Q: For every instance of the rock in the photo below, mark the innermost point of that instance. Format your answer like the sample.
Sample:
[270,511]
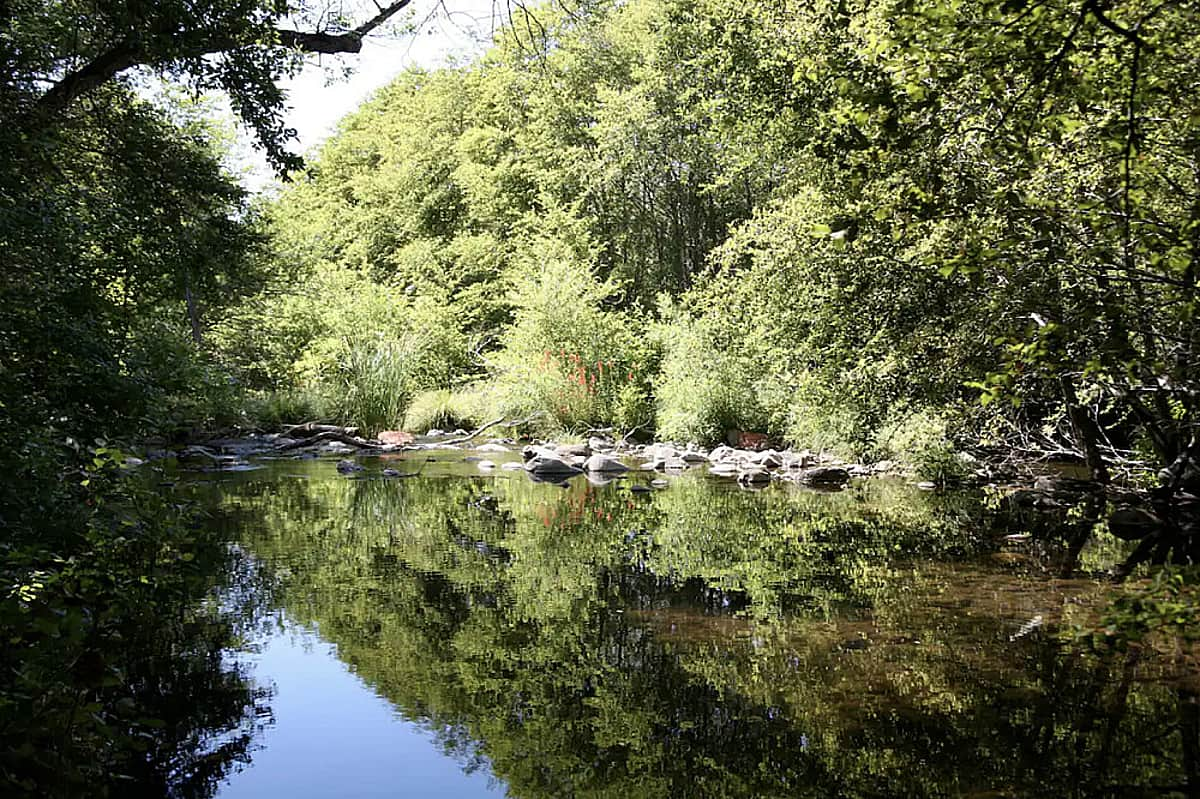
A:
[573,450]
[492,448]
[882,467]
[925,485]
[604,463]
[435,433]
[390,473]
[547,465]
[485,466]
[768,459]
[532,451]
[799,460]
[512,466]
[597,444]
[721,453]
[397,437]
[673,465]
[825,476]
[638,488]
[724,470]
[1132,524]
[694,456]
[349,467]
[659,483]
[858,470]
[755,475]
[661,452]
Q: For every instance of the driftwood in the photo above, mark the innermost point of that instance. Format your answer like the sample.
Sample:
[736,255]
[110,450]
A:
[330,435]
[489,426]
[310,429]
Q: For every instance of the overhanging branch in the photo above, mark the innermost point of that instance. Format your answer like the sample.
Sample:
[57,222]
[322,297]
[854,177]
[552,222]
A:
[124,55]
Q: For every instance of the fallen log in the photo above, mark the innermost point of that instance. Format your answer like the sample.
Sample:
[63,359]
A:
[330,435]
[489,426]
[310,429]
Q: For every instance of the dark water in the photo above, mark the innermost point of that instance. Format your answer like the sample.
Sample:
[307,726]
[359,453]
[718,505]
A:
[461,634]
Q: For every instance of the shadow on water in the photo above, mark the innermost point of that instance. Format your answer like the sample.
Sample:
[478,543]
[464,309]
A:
[701,641]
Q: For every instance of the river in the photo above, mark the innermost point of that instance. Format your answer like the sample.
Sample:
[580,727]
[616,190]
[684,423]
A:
[465,634]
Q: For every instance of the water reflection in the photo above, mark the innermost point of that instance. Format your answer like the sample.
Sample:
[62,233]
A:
[700,641]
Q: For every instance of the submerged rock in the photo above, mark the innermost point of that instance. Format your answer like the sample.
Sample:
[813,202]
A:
[349,467]
[825,476]
[755,475]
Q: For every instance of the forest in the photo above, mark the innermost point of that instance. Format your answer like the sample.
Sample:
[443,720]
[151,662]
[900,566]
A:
[924,233]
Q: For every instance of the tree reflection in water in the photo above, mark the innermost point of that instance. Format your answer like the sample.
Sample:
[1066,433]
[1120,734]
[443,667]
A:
[707,642]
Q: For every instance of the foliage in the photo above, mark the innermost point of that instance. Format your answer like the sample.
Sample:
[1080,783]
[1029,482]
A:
[564,354]
[103,634]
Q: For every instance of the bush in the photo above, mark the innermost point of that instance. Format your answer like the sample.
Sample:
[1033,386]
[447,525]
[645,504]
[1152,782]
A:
[702,391]
[444,409]
[565,356]
[921,439]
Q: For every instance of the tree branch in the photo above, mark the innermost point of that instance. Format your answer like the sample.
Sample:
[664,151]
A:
[124,55]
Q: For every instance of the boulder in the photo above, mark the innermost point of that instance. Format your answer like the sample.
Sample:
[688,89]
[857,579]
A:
[825,476]
[548,465]
[597,444]
[485,466]
[604,463]
[721,453]
[661,452]
[573,450]
[492,448]
[673,465]
[768,459]
[694,456]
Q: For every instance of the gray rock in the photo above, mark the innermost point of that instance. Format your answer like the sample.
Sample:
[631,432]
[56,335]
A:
[754,475]
[485,466]
[659,483]
[492,448]
[724,469]
[604,463]
[573,450]
[694,456]
[547,465]
[349,467]
[597,444]
[390,473]
[768,459]
[673,465]
[512,466]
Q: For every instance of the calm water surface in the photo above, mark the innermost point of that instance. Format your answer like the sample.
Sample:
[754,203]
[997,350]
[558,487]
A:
[461,634]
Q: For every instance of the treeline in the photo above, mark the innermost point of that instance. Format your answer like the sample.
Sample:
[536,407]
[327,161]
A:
[842,224]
